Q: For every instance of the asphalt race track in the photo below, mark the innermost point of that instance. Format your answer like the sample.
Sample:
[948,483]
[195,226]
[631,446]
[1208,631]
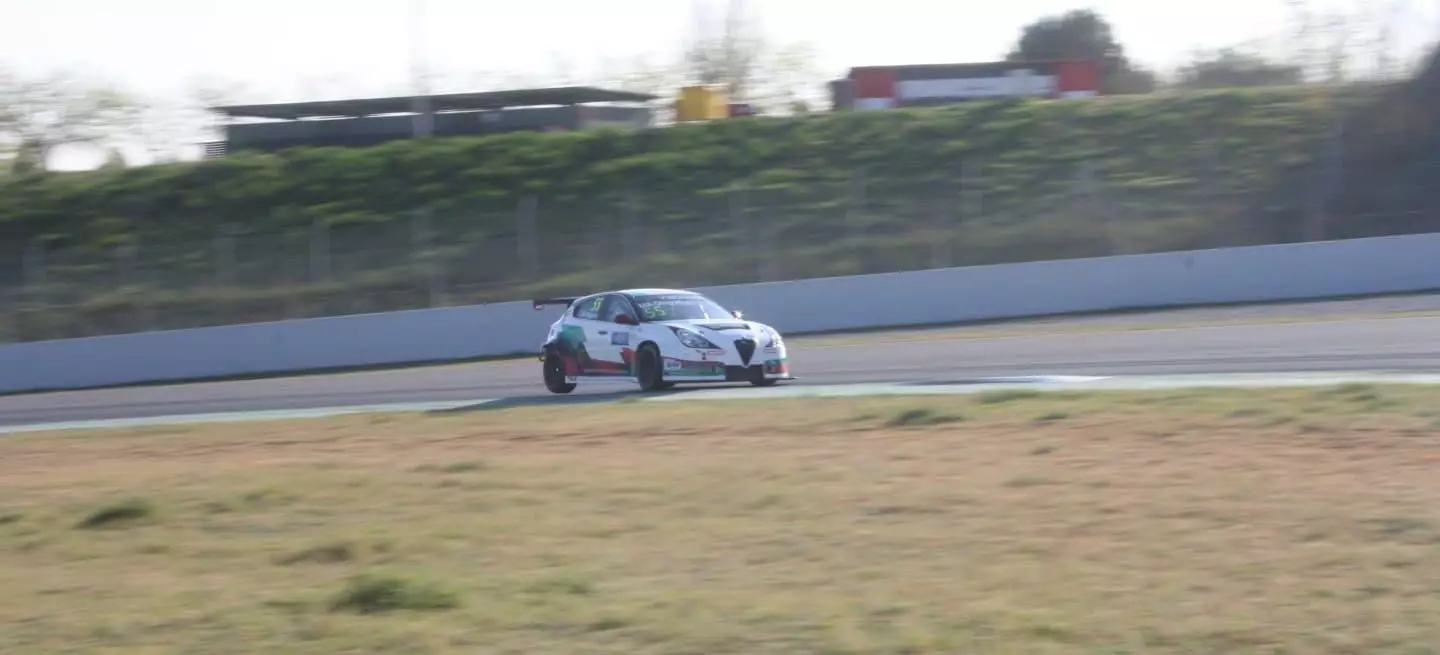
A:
[1371,344]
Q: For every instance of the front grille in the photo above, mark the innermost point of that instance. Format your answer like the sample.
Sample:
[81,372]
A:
[744,373]
[746,348]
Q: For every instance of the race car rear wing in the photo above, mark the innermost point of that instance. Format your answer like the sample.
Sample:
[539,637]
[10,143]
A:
[541,303]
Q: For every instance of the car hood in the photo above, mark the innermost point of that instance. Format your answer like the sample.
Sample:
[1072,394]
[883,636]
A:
[723,327]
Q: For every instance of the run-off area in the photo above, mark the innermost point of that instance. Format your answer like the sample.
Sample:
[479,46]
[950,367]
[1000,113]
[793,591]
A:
[1179,520]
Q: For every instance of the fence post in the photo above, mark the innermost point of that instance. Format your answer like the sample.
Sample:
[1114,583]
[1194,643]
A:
[768,236]
[1088,193]
[127,278]
[433,269]
[10,314]
[33,269]
[1332,177]
[1210,164]
[633,243]
[601,233]
[857,218]
[940,228]
[742,236]
[972,194]
[224,253]
[34,275]
[319,251]
[527,232]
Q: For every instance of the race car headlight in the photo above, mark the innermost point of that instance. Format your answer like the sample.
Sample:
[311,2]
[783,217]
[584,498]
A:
[692,340]
[773,340]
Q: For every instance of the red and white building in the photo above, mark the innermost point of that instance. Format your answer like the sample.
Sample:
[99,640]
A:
[920,85]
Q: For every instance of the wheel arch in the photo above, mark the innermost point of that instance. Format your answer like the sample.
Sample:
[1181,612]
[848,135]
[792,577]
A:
[634,363]
[653,344]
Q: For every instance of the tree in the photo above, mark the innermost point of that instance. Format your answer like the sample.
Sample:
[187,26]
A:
[26,159]
[732,51]
[203,95]
[1083,34]
[726,51]
[1231,68]
[788,81]
[114,160]
[39,115]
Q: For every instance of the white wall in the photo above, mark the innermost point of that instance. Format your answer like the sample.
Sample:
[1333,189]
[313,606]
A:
[1278,272]
[1256,273]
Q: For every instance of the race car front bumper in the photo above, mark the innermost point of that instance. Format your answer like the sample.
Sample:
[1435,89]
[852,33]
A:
[719,365]
[753,372]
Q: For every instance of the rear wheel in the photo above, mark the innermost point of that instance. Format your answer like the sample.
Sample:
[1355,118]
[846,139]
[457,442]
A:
[555,375]
[649,371]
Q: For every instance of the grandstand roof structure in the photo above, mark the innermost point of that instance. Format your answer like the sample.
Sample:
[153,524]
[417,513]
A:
[569,95]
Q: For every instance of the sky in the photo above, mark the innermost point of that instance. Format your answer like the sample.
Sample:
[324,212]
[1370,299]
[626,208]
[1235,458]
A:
[300,49]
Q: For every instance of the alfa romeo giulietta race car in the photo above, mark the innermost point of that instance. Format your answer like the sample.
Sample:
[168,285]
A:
[657,338]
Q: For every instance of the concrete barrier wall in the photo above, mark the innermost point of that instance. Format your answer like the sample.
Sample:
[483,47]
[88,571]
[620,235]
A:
[1256,273]
[1277,272]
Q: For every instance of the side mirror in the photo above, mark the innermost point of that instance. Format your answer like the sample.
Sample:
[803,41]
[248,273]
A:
[737,313]
[625,319]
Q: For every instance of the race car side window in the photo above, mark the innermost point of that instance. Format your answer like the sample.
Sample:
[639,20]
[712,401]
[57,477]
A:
[615,305]
[589,309]
[609,309]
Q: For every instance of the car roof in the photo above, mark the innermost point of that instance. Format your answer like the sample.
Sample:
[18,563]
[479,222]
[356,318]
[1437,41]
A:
[637,293]
[655,292]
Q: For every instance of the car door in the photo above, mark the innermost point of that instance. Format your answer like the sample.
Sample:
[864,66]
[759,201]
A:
[582,334]
[611,340]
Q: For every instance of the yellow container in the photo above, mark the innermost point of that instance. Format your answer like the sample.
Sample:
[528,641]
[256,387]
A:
[701,103]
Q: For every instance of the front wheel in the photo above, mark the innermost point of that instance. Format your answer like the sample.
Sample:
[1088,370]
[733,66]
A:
[555,375]
[649,371]
[757,378]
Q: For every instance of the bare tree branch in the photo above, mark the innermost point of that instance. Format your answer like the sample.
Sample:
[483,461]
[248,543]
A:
[726,51]
[42,114]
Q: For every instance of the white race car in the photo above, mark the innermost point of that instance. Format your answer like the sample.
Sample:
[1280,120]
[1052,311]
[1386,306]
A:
[657,338]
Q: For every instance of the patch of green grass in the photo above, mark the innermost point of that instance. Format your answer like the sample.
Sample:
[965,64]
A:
[123,513]
[1001,396]
[465,466]
[370,593]
[1411,530]
[1023,481]
[333,553]
[920,417]
[1354,392]
[565,585]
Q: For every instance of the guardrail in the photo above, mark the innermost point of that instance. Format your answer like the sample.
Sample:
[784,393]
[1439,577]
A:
[950,295]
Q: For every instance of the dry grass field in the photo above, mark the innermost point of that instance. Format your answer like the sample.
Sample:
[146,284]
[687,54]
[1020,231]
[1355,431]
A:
[1284,521]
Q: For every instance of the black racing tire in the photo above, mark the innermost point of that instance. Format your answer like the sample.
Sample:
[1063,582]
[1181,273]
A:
[757,378]
[649,369]
[554,373]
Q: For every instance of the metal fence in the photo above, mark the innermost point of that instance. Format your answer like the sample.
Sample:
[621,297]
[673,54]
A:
[975,213]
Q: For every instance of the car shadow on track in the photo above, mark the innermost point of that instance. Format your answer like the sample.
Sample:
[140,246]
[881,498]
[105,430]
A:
[558,401]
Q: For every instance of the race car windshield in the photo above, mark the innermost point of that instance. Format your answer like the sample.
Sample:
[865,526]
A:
[679,307]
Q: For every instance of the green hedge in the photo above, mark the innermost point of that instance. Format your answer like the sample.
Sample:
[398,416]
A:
[821,195]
